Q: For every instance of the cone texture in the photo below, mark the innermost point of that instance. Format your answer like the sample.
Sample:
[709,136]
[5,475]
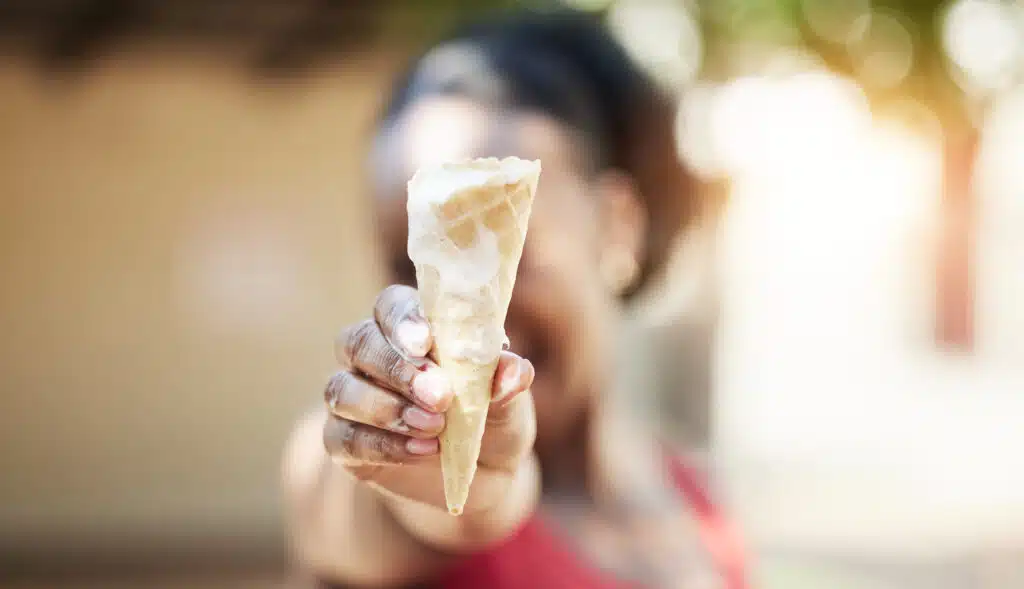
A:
[467,225]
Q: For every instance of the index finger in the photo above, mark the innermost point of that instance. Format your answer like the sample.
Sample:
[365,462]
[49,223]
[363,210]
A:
[397,311]
[363,348]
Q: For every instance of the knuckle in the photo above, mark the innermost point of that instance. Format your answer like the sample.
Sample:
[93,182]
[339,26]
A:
[395,448]
[362,336]
[353,341]
[333,389]
[350,443]
[374,445]
[396,368]
[386,363]
[395,303]
[386,447]
[359,446]
[380,446]
[385,412]
[339,389]
[337,436]
[390,295]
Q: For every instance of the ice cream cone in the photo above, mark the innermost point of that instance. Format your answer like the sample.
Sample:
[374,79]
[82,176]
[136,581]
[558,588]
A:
[467,225]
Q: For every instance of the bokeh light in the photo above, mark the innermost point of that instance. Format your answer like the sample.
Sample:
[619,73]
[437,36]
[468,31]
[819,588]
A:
[1000,188]
[766,127]
[662,36]
[814,275]
[985,41]
[693,132]
[883,53]
[838,22]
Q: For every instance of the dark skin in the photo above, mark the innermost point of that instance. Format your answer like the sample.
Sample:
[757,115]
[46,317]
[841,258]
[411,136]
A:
[559,438]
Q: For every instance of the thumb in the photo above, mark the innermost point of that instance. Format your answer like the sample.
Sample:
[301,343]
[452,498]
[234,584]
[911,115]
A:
[511,421]
[513,376]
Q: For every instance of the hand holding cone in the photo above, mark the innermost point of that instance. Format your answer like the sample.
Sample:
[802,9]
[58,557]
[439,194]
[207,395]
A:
[467,226]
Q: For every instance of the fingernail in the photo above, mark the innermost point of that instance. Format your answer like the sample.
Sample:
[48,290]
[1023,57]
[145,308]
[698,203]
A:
[421,447]
[413,336]
[422,420]
[430,386]
[510,382]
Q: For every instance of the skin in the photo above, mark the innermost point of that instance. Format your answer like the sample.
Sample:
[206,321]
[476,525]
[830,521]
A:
[559,440]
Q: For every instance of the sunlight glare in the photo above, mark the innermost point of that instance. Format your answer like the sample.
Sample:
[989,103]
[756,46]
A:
[662,36]
[985,40]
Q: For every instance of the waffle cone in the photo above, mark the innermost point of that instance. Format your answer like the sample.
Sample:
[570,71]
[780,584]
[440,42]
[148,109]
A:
[467,226]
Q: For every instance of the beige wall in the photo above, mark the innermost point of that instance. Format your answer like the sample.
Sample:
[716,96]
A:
[178,245]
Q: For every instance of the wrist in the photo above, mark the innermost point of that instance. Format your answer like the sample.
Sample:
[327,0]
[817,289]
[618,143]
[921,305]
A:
[476,529]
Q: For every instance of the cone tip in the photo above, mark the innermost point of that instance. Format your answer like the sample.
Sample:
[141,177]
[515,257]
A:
[455,509]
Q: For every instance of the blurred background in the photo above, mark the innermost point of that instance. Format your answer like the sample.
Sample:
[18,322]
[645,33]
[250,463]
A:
[182,189]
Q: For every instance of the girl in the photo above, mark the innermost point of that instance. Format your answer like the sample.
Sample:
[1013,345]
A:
[570,490]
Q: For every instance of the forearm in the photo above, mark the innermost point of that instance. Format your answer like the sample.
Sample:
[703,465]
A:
[340,531]
[352,533]
[474,530]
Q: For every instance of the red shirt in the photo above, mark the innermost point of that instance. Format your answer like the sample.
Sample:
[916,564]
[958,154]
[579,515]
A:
[536,558]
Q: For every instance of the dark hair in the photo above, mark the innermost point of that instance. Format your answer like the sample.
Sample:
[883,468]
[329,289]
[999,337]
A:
[567,66]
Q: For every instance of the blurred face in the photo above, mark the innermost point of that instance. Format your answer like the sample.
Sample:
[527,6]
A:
[562,313]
